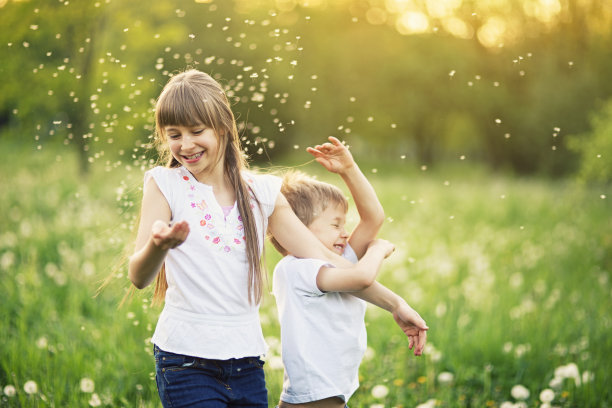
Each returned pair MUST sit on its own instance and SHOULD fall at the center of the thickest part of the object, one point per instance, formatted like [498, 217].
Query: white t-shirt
[207, 312]
[323, 334]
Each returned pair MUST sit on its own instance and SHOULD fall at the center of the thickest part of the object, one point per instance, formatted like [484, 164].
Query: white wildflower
[42, 342]
[519, 392]
[428, 404]
[30, 387]
[506, 404]
[9, 390]
[547, 395]
[380, 391]
[95, 401]
[587, 376]
[445, 377]
[87, 385]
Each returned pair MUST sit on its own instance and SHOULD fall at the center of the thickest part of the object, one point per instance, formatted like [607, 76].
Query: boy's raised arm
[411, 323]
[336, 158]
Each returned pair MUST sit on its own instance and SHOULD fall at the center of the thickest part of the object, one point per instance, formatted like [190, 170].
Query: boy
[323, 332]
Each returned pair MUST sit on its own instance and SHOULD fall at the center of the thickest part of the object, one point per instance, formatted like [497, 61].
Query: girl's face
[195, 147]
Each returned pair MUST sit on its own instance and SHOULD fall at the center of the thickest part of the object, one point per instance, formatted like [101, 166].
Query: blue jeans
[184, 381]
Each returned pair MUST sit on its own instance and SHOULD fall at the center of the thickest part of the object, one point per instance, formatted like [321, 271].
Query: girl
[201, 233]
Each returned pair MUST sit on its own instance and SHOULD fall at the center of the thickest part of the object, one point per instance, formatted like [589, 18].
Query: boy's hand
[384, 245]
[334, 156]
[413, 326]
[167, 236]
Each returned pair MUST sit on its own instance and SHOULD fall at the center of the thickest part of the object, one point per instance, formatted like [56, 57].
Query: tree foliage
[498, 82]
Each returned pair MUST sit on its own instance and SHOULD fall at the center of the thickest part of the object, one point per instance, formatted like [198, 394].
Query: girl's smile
[195, 147]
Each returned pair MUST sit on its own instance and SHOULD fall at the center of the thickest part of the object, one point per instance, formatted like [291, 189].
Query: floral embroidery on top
[225, 239]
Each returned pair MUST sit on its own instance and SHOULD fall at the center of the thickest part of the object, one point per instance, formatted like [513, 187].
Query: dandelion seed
[452, 73]
[9, 390]
[30, 387]
[380, 391]
[498, 121]
[87, 385]
[519, 392]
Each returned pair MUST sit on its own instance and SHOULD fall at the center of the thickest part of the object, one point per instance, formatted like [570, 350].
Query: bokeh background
[485, 127]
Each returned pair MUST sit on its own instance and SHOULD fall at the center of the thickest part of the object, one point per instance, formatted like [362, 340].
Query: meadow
[511, 274]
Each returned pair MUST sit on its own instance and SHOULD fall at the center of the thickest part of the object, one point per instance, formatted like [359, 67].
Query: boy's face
[328, 227]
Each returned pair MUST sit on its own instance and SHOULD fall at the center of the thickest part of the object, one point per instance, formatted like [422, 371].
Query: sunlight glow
[543, 10]
[442, 8]
[376, 16]
[458, 27]
[492, 32]
[412, 22]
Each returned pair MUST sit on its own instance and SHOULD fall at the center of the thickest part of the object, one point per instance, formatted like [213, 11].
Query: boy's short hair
[308, 198]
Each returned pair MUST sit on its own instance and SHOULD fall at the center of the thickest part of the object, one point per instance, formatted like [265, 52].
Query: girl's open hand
[334, 156]
[169, 236]
[413, 326]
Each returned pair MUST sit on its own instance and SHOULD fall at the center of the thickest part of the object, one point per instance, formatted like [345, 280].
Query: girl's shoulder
[265, 186]
[159, 172]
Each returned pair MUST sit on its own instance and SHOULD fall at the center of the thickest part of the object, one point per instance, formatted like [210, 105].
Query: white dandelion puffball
[428, 404]
[95, 401]
[30, 387]
[547, 395]
[9, 390]
[519, 392]
[506, 404]
[380, 391]
[87, 385]
[445, 377]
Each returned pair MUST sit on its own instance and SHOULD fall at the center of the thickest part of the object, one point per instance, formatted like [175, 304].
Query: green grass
[512, 276]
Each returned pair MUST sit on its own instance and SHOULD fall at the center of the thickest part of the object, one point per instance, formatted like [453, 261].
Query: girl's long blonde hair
[193, 98]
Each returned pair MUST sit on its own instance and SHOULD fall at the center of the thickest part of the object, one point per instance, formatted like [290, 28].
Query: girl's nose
[187, 142]
[344, 234]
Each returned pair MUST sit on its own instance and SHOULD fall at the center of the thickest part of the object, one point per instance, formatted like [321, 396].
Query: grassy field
[512, 276]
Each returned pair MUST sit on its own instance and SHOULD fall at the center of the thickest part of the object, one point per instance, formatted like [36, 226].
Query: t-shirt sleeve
[302, 274]
[266, 188]
[162, 176]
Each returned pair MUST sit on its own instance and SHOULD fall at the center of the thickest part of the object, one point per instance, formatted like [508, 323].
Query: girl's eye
[198, 131]
[174, 136]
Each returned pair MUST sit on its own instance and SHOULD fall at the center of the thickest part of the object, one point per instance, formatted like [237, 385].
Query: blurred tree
[595, 147]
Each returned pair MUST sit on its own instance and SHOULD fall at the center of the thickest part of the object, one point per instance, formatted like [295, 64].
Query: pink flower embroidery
[193, 205]
[202, 222]
[207, 237]
[207, 216]
[227, 249]
[216, 240]
[236, 240]
[185, 178]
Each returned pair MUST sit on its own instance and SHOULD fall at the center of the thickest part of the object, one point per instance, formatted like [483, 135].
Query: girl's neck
[222, 188]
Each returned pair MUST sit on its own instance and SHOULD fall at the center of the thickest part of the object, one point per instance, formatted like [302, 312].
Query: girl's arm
[296, 238]
[336, 157]
[406, 317]
[155, 236]
[358, 276]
